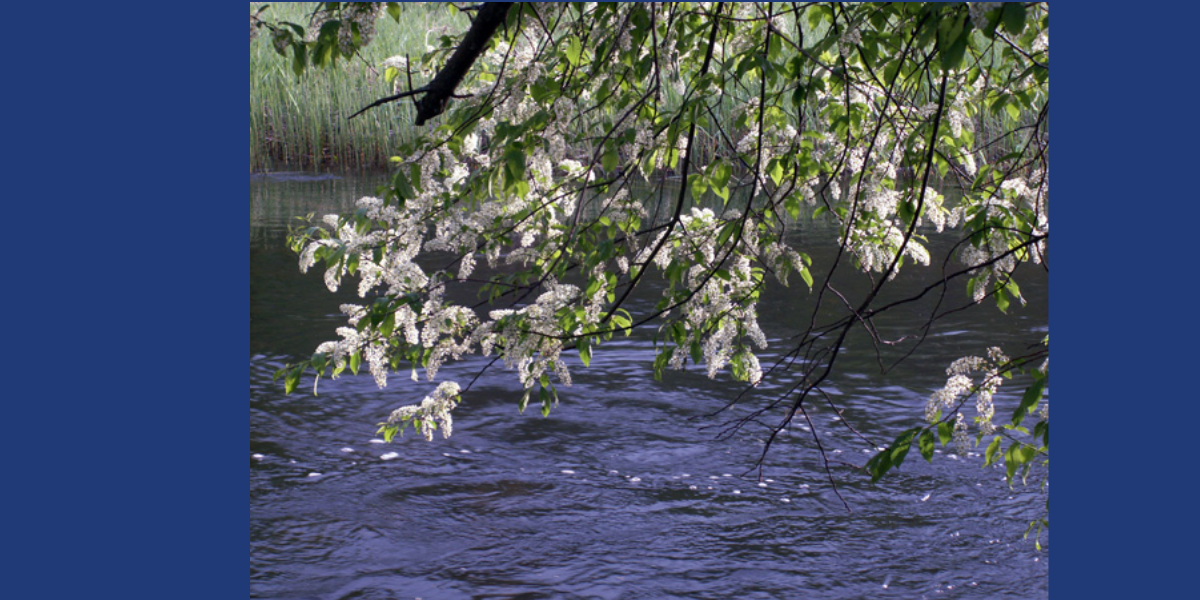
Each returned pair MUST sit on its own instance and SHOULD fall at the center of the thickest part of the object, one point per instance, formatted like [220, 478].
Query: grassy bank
[300, 123]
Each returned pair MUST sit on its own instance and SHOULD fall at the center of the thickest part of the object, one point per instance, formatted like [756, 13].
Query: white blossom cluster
[995, 256]
[434, 412]
[529, 338]
[960, 384]
[721, 314]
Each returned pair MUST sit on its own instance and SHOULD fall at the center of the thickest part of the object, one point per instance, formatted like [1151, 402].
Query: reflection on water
[620, 493]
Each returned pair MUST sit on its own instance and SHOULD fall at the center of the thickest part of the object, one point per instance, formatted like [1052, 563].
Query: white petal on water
[691, 487]
[636, 479]
[257, 456]
[926, 496]
[347, 449]
[390, 456]
[465, 451]
[686, 475]
[762, 484]
[785, 499]
[726, 475]
[567, 472]
[737, 491]
[713, 477]
[613, 472]
[378, 441]
[314, 474]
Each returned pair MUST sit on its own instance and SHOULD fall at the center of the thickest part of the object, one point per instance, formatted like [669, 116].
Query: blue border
[1121, 309]
[127, 298]
[127, 414]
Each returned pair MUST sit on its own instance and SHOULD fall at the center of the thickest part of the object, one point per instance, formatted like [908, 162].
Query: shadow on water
[621, 492]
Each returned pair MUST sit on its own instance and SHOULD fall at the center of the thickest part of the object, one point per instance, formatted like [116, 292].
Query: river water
[624, 491]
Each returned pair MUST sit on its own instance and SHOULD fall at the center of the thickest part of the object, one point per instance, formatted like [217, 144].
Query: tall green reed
[300, 123]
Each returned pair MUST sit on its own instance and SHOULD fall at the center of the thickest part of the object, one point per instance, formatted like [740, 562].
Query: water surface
[624, 491]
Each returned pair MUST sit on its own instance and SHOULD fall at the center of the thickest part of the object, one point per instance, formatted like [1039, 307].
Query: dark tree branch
[388, 99]
[439, 91]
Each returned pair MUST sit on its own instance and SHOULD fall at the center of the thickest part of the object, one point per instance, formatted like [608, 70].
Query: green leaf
[609, 159]
[775, 169]
[1011, 461]
[907, 211]
[585, 352]
[1013, 15]
[925, 443]
[892, 456]
[401, 186]
[514, 160]
[299, 59]
[992, 449]
[726, 232]
[1013, 111]
[292, 379]
[945, 432]
[1029, 401]
[952, 41]
[574, 49]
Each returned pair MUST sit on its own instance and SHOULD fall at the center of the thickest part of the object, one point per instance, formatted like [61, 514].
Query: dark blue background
[126, 421]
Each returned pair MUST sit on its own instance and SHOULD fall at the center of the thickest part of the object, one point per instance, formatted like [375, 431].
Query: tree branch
[439, 91]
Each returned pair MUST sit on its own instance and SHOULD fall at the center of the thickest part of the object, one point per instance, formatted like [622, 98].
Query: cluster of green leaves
[324, 49]
[1024, 449]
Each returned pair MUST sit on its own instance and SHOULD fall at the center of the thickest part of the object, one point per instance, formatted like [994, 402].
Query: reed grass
[300, 123]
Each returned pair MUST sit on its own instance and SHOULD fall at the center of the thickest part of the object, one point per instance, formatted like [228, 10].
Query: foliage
[299, 122]
[896, 122]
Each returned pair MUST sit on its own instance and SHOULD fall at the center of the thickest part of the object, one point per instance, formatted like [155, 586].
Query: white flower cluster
[433, 413]
[721, 314]
[850, 38]
[528, 338]
[875, 243]
[959, 385]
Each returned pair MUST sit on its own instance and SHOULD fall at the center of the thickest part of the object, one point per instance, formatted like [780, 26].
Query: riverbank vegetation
[300, 122]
